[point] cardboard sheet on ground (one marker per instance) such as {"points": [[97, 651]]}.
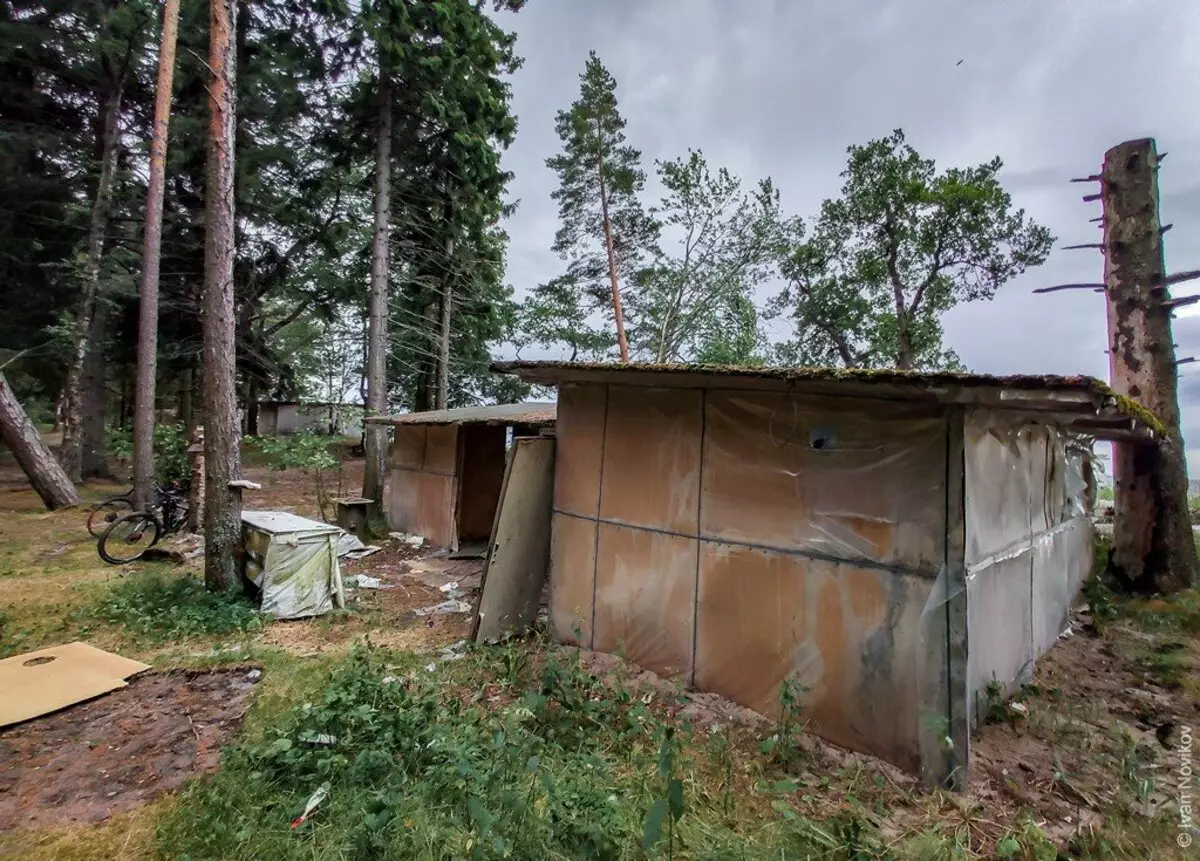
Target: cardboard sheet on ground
{"points": [[45, 681]]}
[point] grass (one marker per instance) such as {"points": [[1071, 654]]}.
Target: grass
{"points": [[423, 766], [156, 607]]}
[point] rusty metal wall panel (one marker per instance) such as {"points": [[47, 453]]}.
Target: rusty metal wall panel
{"points": [[816, 475], [408, 447], [441, 450], [479, 482], [572, 579], [423, 503], [652, 458], [580, 435], [853, 637], [645, 598]]}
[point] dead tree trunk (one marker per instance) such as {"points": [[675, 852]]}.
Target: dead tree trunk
{"points": [[21, 438], [1153, 547], [377, 335], [222, 503], [72, 436], [147, 348]]}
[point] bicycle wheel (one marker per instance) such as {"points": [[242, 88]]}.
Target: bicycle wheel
{"points": [[106, 512], [128, 537]]}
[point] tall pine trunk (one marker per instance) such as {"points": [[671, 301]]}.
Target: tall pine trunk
{"points": [[222, 503], [147, 348], [93, 433], [21, 437], [377, 334], [445, 314], [71, 452], [622, 341]]}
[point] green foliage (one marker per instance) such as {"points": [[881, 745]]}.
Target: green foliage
{"points": [[170, 451], [565, 309], [418, 766], [695, 301], [306, 451], [902, 245], [159, 608]]}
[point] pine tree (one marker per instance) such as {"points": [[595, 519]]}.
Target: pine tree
{"points": [[605, 233]]}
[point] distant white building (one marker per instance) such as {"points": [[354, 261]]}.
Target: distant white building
{"points": [[280, 418]]}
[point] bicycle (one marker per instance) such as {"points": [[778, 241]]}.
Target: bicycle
{"points": [[125, 539], [105, 511]]}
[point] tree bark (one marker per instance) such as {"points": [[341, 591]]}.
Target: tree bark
{"points": [[377, 335], [147, 348], [1153, 546], [93, 434], [444, 316], [71, 451], [186, 387], [22, 439], [222, 503], [614, 285]]}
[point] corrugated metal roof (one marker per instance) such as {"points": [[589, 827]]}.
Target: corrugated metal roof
{"points": [[1091, 404], [535, 414]]}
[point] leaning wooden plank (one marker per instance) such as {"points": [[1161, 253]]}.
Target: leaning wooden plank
{"points": [[41, 682], [519, 553]]}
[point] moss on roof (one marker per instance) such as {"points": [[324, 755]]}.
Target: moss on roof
{"points": [[918, 380]]}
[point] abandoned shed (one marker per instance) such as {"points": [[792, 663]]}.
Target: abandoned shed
{"points": [[883, 544], [446, 468]]}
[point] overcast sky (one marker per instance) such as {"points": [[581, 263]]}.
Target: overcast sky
{"points": [[780, 88]]}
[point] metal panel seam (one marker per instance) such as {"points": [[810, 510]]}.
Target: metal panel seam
{"points": [[599, 500], [870, 564]]}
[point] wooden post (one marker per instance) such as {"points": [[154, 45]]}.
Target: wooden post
{"points": [[1153, 547]]}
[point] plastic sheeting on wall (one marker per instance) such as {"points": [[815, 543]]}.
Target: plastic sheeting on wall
{"points": [[849, 480], [1029, 545], [744, 540]]}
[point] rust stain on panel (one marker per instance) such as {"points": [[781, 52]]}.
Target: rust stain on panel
{"points": [[652, 458], [829, 695], [572, 573], [408, 447], [750, 623], [441, 450], [866, 596], [645, 598], [579, 433]]}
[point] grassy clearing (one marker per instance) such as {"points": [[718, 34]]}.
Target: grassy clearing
{"points": [[156, 607], [420, 765]]}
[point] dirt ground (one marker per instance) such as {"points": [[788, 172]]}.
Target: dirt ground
{"points": [[91, 761]]}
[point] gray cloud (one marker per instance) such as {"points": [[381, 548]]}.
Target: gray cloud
{"points": [[781, 88]]}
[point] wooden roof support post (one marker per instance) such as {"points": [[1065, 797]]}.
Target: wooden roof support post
{"points": [[1153, 549], [956, 603]]}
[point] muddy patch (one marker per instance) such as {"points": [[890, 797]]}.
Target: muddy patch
{"points": [[91, 761]]}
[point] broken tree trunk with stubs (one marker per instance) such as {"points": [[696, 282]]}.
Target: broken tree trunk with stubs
{"points": [[22, 439], [1153, 546]]}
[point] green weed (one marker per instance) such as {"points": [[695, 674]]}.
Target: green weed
{"points": [[154, 607]]}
